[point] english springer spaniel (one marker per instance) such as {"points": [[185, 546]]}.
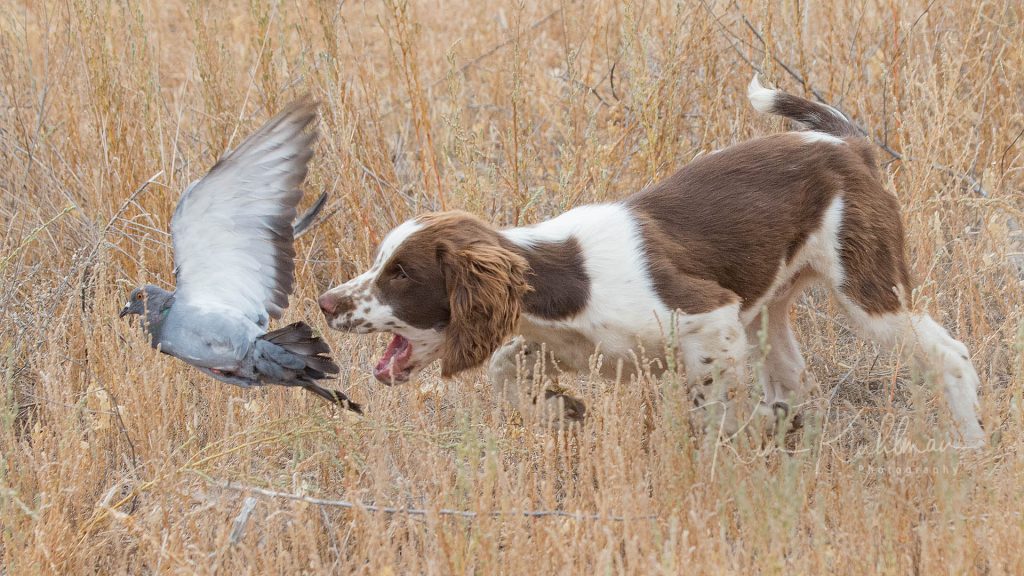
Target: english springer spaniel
{"points": [[683, 273]]}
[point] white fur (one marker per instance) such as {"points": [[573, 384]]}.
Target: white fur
{"points": [[623, 307], [815, 137], [761, 98], [393, 240], [834, 112], [935, 355]]}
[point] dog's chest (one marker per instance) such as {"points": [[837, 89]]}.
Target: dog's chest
{"points": [[575, 341]]}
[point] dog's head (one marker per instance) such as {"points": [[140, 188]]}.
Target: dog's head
{"points": [[444, 285]]}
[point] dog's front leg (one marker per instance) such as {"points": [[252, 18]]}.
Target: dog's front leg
{"points": [[713, 346], [523, 374]]}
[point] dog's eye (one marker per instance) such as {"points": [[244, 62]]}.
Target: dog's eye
{"points": [[400, 274]]}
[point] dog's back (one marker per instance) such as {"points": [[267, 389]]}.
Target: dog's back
{"points": [[733, 215]]}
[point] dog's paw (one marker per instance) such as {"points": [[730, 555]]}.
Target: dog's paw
{"points": [[778, 421], [785, 417], [559, 410], [573, 408]]}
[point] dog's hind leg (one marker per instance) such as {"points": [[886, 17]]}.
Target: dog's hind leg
{"points": [[935, 355], [872, 284]]}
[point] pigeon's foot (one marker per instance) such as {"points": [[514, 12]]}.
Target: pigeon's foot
{"points": [[335, 397]]}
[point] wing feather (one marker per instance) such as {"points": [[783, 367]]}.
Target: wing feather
{"points": [[232, 229]]}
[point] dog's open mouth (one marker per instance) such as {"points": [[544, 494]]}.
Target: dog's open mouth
{"points": [[394, 367]]}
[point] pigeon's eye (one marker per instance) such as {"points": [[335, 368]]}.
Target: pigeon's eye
{"points": [[138, 296]]}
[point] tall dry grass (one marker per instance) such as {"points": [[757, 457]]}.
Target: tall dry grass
{"points": [[114, 459]]}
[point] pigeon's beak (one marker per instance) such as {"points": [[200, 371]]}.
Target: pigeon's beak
{"points": [[123, 312]]}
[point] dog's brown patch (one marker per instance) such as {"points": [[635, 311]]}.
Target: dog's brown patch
{"points": [[721, 226], [560, 285], [486, 284]]}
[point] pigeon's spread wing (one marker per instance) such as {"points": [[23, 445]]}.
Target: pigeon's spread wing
{"points": [[232, 229]]}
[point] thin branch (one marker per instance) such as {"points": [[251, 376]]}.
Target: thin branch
{"points": [[89, 260], [142, 228], [351, 505], [476, 61], [972, 182], [1002, 158], [115, 218], [472, 63], [238, 526]]}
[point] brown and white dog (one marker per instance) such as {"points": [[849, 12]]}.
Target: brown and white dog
{"points": [[701, 259]]}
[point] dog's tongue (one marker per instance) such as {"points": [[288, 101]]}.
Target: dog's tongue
{"points": [[392, 366]]}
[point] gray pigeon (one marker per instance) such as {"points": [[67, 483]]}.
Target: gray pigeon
{"points": [[234, 266]]}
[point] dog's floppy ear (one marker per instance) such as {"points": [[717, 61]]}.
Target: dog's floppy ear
{"points": [[485, 284]]}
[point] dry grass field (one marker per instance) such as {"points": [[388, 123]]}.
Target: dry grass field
{"points": [[114, 459]]}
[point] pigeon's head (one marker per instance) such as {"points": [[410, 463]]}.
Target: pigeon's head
{"points": [[149, 301]]}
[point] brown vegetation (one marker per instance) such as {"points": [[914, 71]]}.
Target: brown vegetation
{"points": [[113, 459]]}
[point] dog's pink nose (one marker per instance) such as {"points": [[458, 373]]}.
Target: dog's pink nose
{"points": [[333, 304]]}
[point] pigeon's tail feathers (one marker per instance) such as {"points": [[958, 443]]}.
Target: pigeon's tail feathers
{"points": [[294, 356], [296, 348], [298, 338], [306, 220]]}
